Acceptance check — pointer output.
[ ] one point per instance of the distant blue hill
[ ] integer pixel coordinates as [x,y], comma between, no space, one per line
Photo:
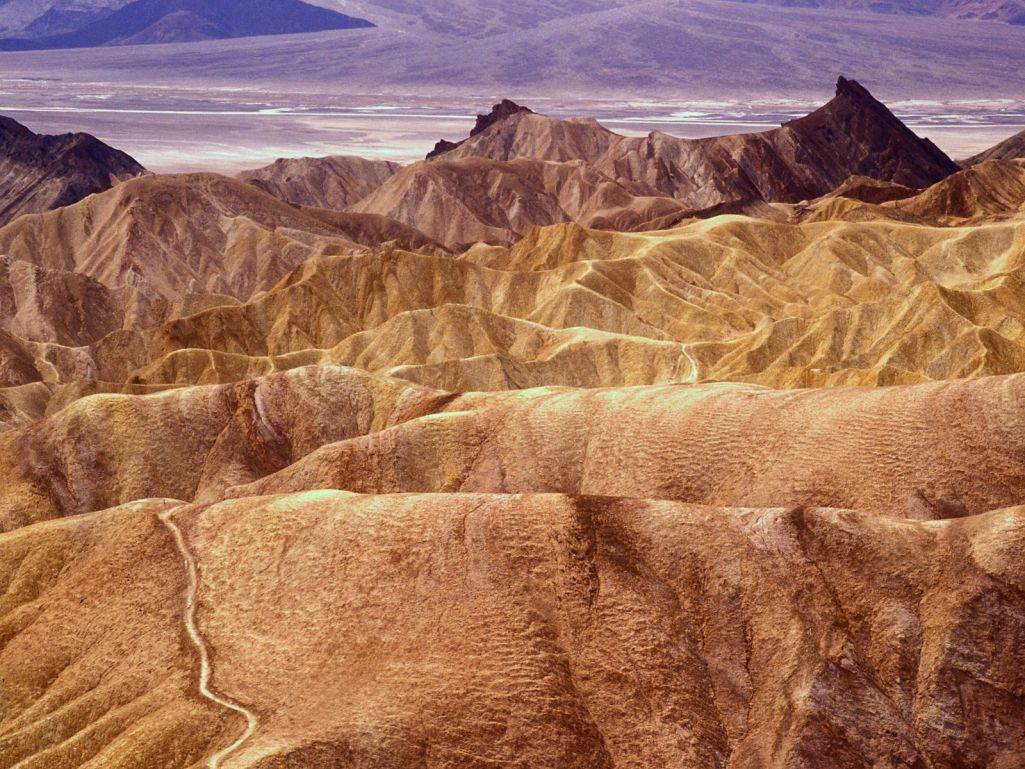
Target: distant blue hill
[180,21]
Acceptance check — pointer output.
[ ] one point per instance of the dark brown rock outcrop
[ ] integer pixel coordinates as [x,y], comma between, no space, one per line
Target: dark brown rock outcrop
[39,173]
[504,109]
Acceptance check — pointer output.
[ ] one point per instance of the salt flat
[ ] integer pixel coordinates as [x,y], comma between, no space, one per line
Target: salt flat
[229,128]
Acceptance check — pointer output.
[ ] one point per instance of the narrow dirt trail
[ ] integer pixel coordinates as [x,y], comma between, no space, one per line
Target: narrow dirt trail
[694,371]
[167,518]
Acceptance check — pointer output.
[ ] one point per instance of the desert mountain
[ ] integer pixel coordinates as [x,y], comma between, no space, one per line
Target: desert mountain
[465,201]
[1009,11]
[20,17]
[1009,149]
[171,235]
[854,134]
[182,21]
[989,191]
[881,297]
[335,181]
[511,148]
[40,173]
[291,487]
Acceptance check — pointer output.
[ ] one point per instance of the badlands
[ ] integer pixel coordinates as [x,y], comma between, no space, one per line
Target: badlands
[558,448]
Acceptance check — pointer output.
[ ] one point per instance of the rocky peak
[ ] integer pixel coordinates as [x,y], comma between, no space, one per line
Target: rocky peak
[853,90]
[858,134]
[504,110]
[501,111]
[12,129]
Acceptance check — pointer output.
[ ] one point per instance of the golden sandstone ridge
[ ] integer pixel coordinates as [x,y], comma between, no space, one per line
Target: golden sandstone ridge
[558,449]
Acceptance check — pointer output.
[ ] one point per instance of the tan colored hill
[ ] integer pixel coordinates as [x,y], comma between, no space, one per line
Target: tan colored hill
[193,233]
[732,298]
[213,437]
[462,202]
[869,190]
[921,451]
[993,190]
[522,630]
[334,182]
[1009,149]
[39,173]
[820,303]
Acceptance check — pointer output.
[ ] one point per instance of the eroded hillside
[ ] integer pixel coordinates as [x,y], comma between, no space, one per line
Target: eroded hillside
[555,450]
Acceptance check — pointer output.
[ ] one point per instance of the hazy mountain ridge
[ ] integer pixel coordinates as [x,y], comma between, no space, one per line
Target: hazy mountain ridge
[653,48]
[1009,11]
[143,22]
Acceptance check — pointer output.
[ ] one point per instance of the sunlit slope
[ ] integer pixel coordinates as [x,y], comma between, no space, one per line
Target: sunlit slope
[924,451]
[521,630]
[732,298]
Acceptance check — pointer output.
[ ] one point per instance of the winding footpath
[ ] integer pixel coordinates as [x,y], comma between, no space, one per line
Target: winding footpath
[167,518]
[693,377]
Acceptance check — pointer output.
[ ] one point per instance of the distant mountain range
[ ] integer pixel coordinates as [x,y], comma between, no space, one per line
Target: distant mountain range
[1009,11]
[144,22]
[652,49]
[54,24]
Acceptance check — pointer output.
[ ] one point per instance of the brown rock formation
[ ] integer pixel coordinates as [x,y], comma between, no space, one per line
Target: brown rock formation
[504,109]
[921,450]
[334,182]
[853,134]
[462,202]
[190,233]
[1009,149]
[528,630]
[40,173]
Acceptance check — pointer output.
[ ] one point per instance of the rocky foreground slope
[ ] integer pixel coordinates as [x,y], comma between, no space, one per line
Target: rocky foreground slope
[284,486]
[465,624]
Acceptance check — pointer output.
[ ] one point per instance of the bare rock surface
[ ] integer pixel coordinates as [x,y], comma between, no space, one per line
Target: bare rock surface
[526,630]
[335,182]
[852,135]
[1009,149]
[40,173]
[925,451]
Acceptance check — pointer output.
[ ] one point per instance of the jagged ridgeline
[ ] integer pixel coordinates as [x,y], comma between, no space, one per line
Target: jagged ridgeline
[557,448]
